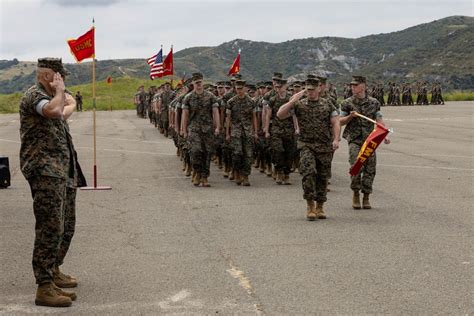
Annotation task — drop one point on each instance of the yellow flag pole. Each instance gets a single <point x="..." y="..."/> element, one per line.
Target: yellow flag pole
<point x="94" y="107"/>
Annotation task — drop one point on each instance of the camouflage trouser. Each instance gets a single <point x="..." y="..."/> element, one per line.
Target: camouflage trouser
<point x="227" y="153"/>
<point x="184" y="145"/>
<point x="242" y="154"/>
<point x="267" y="151"/>
<point x="164" y="120"/>
<point x="201" y="150"/>
<point x="141" y="110"/>
<point x="55" y="214"/>
<point x="283" y="151"/>
<point x="365" y="178"/>
<point x="315" y="169"/>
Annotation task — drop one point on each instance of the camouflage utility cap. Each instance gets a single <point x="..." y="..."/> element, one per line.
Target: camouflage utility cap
<point x="54" y="64"/>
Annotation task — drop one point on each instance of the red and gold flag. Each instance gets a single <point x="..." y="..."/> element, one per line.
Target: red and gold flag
<point x="84" y="46"/>
<point x="168" y="64"/>
<point x="235" y="68"/>
<point x="368" y="148"/>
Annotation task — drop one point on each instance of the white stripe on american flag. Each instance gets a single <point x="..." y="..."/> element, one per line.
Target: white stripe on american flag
<point x="151" y="60"/>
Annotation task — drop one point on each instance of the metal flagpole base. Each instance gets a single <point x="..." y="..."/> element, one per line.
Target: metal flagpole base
<point x="96" y="188"/>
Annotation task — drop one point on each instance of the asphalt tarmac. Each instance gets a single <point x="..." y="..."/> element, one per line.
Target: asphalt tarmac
<point x="155" y="244"/>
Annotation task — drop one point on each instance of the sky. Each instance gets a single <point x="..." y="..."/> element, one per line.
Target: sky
<point x="30" y="29"/>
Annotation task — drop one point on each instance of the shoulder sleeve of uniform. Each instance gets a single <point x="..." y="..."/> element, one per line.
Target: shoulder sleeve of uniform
<point x="185" y="103"/>
<point x="346" y="107"/>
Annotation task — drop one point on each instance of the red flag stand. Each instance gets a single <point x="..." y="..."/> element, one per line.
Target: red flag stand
<point x="95" y="187"/>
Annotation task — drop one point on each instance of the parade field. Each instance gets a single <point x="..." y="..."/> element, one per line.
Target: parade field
<point x="156" y="244"/>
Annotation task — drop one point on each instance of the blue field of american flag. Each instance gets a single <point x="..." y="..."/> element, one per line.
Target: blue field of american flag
<point x="156" y="64"/>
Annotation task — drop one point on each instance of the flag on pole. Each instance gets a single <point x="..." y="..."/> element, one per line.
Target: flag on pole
<point x="84" y="46"/>
<point x="368" y="148"/>
<point x="109" y="80"/>
<point x="168" y="64"/>
<point x="156" y="64"/>
<point x="235" y="68"/>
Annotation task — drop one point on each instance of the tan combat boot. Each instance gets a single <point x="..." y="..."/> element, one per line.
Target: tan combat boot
<point x="197" y="179"/>
<point x="310" y="211"/>
<point x="226" y="171"/>
<point x="286" y="179"/>
<point x="187" y="172"/>
<point x="60" y="292"/>
<point x="366" y="202"/>
<point x="356" y="201"/>
<point x="319" y="210"/>
<point x="269" y="172"/>
<point x="238" y="178"/>
<point x="63" y="280"/>
<point x="178" y="152"/>
<point x="262" y="166"/>
<point x="184" y="166"/>
<point x="205" y="183"/>
<point x="279" y="177"/>
<point x="245" y="181"/>
<point x="256" y="163"/>
<point x="220" y="165"/>
<point x="46" y="295"/>
<point x="231" y="175"/>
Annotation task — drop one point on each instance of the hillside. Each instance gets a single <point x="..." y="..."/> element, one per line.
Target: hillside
<point x="440" y="50"/>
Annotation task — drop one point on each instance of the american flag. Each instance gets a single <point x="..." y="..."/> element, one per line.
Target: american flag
<point x="156" y="64"/>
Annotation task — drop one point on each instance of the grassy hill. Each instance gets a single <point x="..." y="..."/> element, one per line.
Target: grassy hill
<point x="440" y="50"/>
<point x="117" y="96"/>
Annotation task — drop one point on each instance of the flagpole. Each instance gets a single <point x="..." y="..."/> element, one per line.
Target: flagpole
<point x="173" y="69"/>
<point x="95" y="187"/>
<point x="365" y="117"/>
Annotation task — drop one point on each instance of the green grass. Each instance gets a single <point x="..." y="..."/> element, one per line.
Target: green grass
<point x="118" y="96"/>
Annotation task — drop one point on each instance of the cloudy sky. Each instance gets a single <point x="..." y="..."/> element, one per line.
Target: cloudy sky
<point x="135" y="29"/>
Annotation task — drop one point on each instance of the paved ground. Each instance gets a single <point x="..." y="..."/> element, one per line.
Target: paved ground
<point x="155" y="244"/>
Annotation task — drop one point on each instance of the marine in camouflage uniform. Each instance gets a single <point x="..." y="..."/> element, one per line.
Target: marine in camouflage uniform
<point x="281" y="134"/>
<point x="49" y="163"/>
<point x="163" y="106"/>
<point x="319" y="137"/>
<point x="140" y="100"/>
<point x="201" y="117"/>
<point x="226" y="147"/>
<point x="241" y="120"/>
<point x="356" y="131"/>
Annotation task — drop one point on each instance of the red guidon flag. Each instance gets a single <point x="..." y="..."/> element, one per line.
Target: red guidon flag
<point x="83" y="47"/>
<point x="368" y="148"/>
<point x="109" y="80"/>
<point x="235" y="68"/>
<point x="168" y="64"/>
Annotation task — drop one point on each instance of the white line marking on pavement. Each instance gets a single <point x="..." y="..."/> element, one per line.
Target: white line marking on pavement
<point x="127" y="139"/>
<point x="180" y="296"/>
<point x="9" y="141"/>
<point x="426" y="119"/>
<point x="130" y="151"/>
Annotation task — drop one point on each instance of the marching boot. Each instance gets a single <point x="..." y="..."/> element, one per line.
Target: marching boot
<point x="238" y="178"/>
<point x="184" y="166"/>
<point x="231" y="175"/>
<point x="275" y="175"/>
<point x="178" y="152"/>
<point x="187" y="171"/>
<point x="356" y="201"/>
<point x="286" y="179"/>
<point x="46" y="295"/>
<point x="269" y="170"/>
<point x="162" y="130"/>
<point x="193" y="176"/>
<point x="63" y="280"/>
<point x="245" y="181"/>
<point x="219" y="162"/>
<point x="60" y="292"/>
<point x="165" y="133"/>
<point x="197" y="179"/>
<point x="257" y="163"/>
<point x="205" y="183"/>
<point x="262" y="166"/>
<point x="319" y="210"/>
<point x="226" y="171"/>
<point x="310" y="211"/>
<point x="278" y="177"/>
<point x="366" y="202"/>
